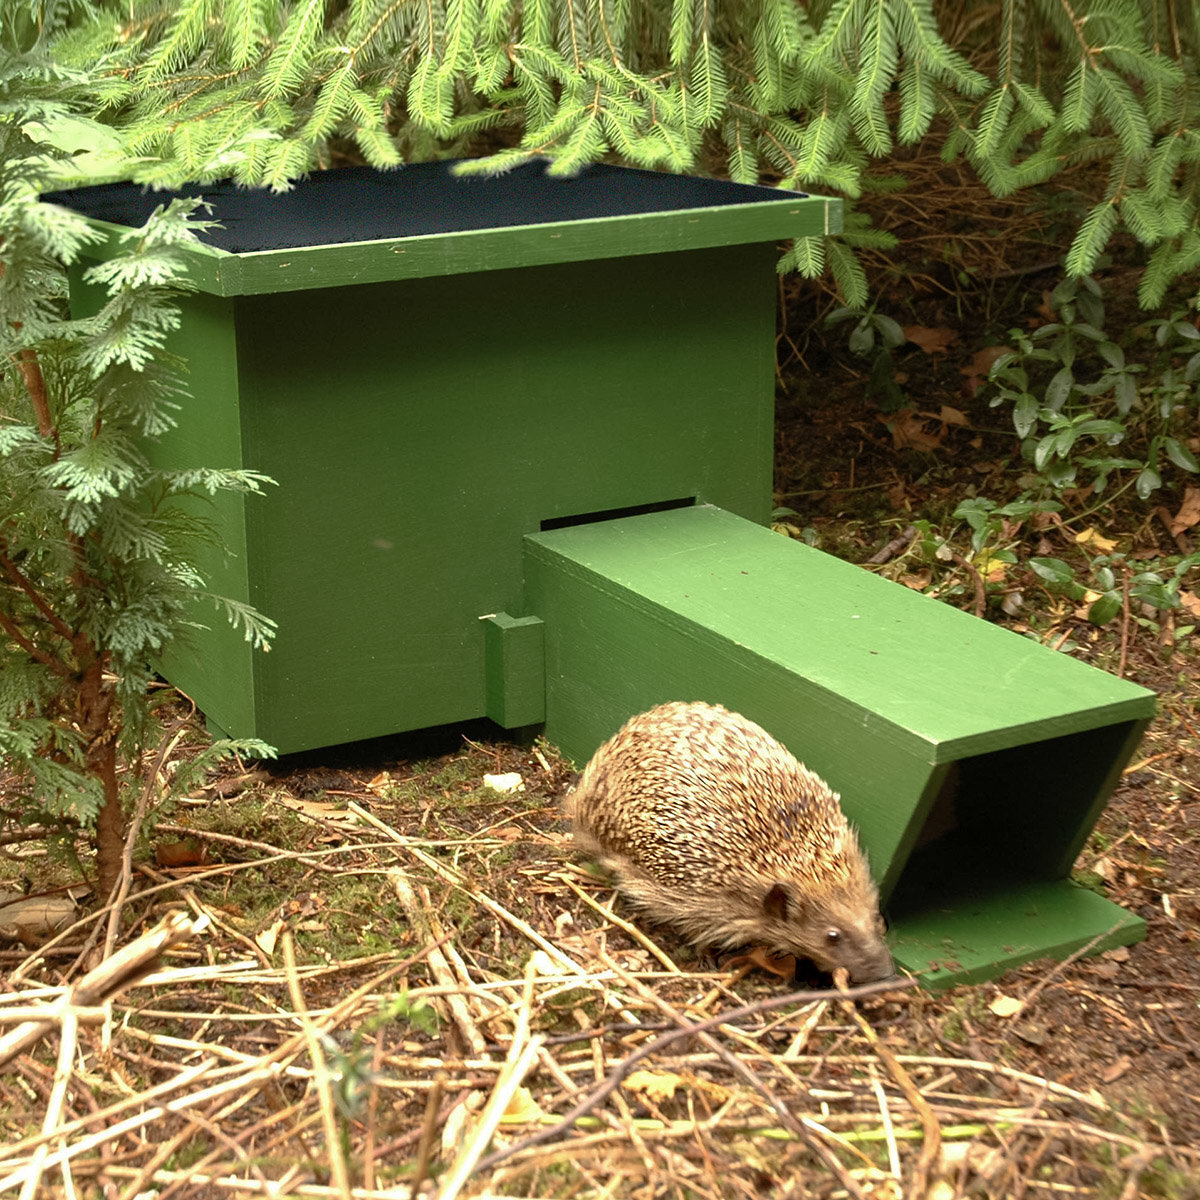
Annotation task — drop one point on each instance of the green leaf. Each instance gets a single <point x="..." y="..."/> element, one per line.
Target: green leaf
<point x="1058" y="390"/>
<point x="848" y="273"/>
<point x="1123" y="109"/>
<point x="1079" y="97"/>
<point x="708" y="84"/>
<point x="1180" y="455"/>
<point x="1025" y="415"/>
<point x="287" y="67"/>
<point x="806" y="255"/>
<point x="1104" y="609"/>
<point x="993" y="120"/>
<point x="1149" y="480"/>
<point x="1053" y="570"/>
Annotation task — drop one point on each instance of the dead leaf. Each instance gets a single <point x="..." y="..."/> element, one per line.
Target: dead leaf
<point x="1005" y="1006"/>
<point x="382" y="780"/>
<point x="982" y="361"/>
<point x="1012" y="603"/>
<point x="917" y="580"/>
<point x="654" y="1085"/>
<point x="1189" y="511"/>
<point x="932" y="341"/>
<point x="522" y="1109"/>
<point x="1092" y="537"/>
<point x="1114" y="1071"/>
<point x="1046" y="308"/>
<point x="233" y="784"/>
<point x="1191" y="603"/>
<point x="265" y="940"/>
<point x="312" y="808"/>
<point x="992" y="568"/>
<point x="952" y="416"/>
<point x="1030" y="1033"/>
<point x="783" y="965"/>
<point x="908" y="428"/>
<point x="186" y="853"/>
<point x="31" y="921"/>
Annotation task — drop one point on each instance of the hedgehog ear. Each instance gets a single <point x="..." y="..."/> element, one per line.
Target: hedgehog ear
<point x="775" y="902"/>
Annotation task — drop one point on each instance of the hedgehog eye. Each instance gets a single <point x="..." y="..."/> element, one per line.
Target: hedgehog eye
<point x="833" y="936"/>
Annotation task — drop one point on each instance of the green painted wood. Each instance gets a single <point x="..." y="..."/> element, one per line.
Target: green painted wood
<point x="416" y="437"/>
<point x="978" y="932"/>
<point x="515" y="667"/>
<point x="959" y="749"/>
<point x="471" y="251"/>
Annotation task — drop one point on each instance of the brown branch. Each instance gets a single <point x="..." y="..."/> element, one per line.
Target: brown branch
<point x="976" y="579"/>
<point x="22" y="581"/>
<point x="894" y="547"/>
<point x="1125" y="618"/>
<point x="35" y="385"/>
<point x="35" y="652"/>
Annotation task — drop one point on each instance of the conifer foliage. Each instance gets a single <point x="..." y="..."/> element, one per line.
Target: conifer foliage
<point x="801" y="92"/>
<point x="94" y="553"/>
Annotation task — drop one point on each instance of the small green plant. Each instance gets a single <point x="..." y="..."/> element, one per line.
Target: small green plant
<point x="874" y="337"/>
<point x="1113" y="582"/>
<point x="1075" y="397"/>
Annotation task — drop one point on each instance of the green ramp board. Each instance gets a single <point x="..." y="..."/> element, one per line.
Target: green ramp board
<point x="974" y="761"/>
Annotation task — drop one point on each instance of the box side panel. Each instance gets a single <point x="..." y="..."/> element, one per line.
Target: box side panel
<point x="214" y="665"/>
<point x="419" y="430"/>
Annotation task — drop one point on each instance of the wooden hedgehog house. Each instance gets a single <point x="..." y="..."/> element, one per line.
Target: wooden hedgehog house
<point x="522" y="432"/>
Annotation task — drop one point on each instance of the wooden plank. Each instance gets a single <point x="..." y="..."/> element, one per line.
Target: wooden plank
<point x="532" y="245"/>
<point x="515" y="663"/>
<point x="915" y="672"/>
<point x="982" y="932"/>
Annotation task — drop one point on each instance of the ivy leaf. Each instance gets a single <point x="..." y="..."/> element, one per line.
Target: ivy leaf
<point x="1103" y="610"/>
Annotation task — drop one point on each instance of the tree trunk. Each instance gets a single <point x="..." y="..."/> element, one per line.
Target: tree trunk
<point x="100" y="731"/>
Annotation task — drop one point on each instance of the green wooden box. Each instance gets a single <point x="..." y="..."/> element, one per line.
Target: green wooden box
<point x="974" y="761"/>
<point x="432" y="366"/>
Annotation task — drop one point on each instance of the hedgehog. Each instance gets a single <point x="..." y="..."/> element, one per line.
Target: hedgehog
<point x="713" y="827"/>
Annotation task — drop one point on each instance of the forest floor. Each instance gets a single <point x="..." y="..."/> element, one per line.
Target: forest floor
<point x="397" y="974"/>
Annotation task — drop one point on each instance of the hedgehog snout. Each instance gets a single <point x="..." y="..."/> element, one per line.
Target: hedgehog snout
<point x="861" y="950"/>
<point x="835" y="935"/>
